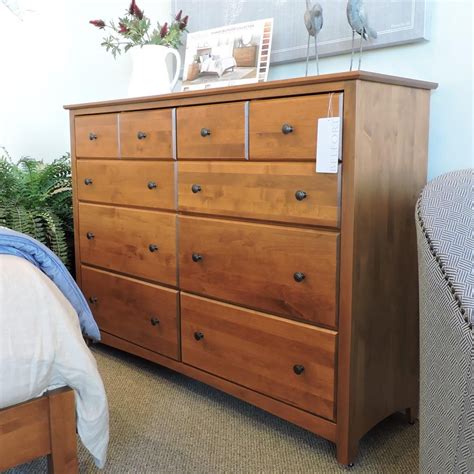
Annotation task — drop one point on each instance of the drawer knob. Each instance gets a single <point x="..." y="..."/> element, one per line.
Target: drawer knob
<point x="300" y="195"/>
<point x="88" y="181"/>
<point x="154" y="321"/>
<point x="90" y="235"/>
<point x="198" y="335"/>
<point x="298" y="369"/>
<point x="299" y="277"/>
<point x="92" y="136"/>
<point x="153" y="248"/>
<point x="286" y="128"/>
<point x="196" y="257"/>
<point x="205" y="132"/>
<point x="141" y="135"/>
<point x="93" y="299"/>
<point x="195" y="188"/>
<point x="151" y="185"/>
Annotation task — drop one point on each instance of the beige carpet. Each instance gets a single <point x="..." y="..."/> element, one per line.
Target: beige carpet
<point x="164" y="422"/>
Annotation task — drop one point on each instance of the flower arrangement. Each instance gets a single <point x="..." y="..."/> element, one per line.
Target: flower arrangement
<point x="135" y="29"/>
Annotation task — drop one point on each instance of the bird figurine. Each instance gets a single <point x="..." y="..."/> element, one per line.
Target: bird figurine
<point x="313" y="20"/>
<point x="359" y="23"/>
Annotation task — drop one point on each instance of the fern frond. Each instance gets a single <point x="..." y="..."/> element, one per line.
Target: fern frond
<point x="55" y="235"/>
<point x="36" y="199"/>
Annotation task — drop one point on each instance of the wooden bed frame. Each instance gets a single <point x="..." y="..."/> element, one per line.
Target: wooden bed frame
<point x="39" y="427"/>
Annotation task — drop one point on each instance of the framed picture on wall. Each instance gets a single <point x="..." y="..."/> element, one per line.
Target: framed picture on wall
<point x="230" y="55"/>
<point x="396" y="22"/>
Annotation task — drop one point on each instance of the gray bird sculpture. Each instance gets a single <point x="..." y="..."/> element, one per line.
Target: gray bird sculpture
<point x="358" y="20"/>
<point x="313" y="20"/>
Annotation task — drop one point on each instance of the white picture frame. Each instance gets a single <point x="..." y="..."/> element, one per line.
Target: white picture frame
<point x="229" y="55"/>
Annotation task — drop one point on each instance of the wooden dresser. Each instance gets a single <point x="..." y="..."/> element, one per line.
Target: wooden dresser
<point x="207" y="242"/>
<point x="246" y="56"/>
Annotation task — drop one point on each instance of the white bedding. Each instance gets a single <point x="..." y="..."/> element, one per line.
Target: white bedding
<point x="217" y="64"/>
<point x="42" y="348"/>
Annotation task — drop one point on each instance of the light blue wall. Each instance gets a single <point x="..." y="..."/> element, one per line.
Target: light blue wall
<point x="446" y="59"/>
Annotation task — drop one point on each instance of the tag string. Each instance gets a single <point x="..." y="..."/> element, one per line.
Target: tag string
<point x="329" y="114"/>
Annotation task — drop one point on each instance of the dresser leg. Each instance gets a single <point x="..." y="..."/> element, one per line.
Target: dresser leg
<point x="347" y="453"/>
<point x="412" y="415"/>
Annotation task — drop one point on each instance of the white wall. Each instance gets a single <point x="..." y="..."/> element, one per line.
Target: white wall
<point x="54" y="58"/>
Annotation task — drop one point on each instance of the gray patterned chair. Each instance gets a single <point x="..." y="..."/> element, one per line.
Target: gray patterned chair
<point x="445" y="232"/>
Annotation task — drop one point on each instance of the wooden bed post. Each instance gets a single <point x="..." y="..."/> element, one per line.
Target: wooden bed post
<point x="63" y="457"/>
<point x="39" y="427"/>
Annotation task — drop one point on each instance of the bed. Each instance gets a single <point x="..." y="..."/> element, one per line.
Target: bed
<point x="217" y="60"/>
<point x="49" y="383"/>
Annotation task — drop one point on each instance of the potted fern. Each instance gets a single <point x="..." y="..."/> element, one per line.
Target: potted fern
<point x="36" y="199"/>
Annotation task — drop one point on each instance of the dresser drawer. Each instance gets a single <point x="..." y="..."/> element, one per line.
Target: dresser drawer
<point x="146" y="134"/>
<point x="286" y="129"/>
<point x="139" y="243"/>
<point x="214" y="131"/>
<point x="138" y="312"/>
<point x="96" y="136"/>
<point x="290" y="361"/>
<point x="145" y="184"/>
<point x="286" y="271"/>
<point x="287" y="192"/>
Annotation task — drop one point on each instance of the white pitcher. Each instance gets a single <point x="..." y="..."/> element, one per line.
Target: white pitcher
<point x="150" y="75"/>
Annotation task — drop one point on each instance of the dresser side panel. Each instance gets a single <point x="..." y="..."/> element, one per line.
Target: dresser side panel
<point x="390" y="161"/>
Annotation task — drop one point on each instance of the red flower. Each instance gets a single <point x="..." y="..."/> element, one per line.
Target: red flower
<point x="135" y="11"/>
<point x="164" y="30"/>
<point x="99" y="23"/>
<point x="123" y="29"/>
<point x="178" y="16"/>
<point x="184" y="23"/>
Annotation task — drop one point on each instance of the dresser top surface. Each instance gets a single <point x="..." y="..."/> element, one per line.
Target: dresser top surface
<point x="263" y="86"/>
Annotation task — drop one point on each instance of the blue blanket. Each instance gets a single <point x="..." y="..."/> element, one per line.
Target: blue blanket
<point x="21" y="245"/>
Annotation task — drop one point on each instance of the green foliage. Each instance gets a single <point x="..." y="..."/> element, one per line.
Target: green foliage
<point x="36" y="199"/>
<point x="172" y="38"/>
<point x="135" y="29"/>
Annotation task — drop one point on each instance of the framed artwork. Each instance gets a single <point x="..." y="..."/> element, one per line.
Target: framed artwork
<point x="396" y="21"/>
<point x="229" y="55"/>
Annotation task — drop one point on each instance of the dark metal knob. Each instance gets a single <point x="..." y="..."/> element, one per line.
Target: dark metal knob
<point x="286" y="128"/>
<point x="205" y="132"/>
<point x="198" y="335"/>
<point x="92" y="136"/>
<point x="300" y="195"/>
<point x="298" y="369"/>
<point x="153" y="248"/>
<point x="90" y="235"/>
<point x="196" y="257"/>
<point x="195" y="188"/>
<point x="88" y="181"/>
<point x="299" y="277"/>
<point x="141" y="135"/>
<point x="93" y="299"/>
<point x="154" y="321"/>
<point x="151" y="185"/>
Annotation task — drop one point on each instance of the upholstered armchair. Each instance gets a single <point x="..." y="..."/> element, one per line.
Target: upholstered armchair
<point x="444" y="219"/>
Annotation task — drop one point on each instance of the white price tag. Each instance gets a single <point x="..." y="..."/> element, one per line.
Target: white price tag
<point x="329" y="141"/>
